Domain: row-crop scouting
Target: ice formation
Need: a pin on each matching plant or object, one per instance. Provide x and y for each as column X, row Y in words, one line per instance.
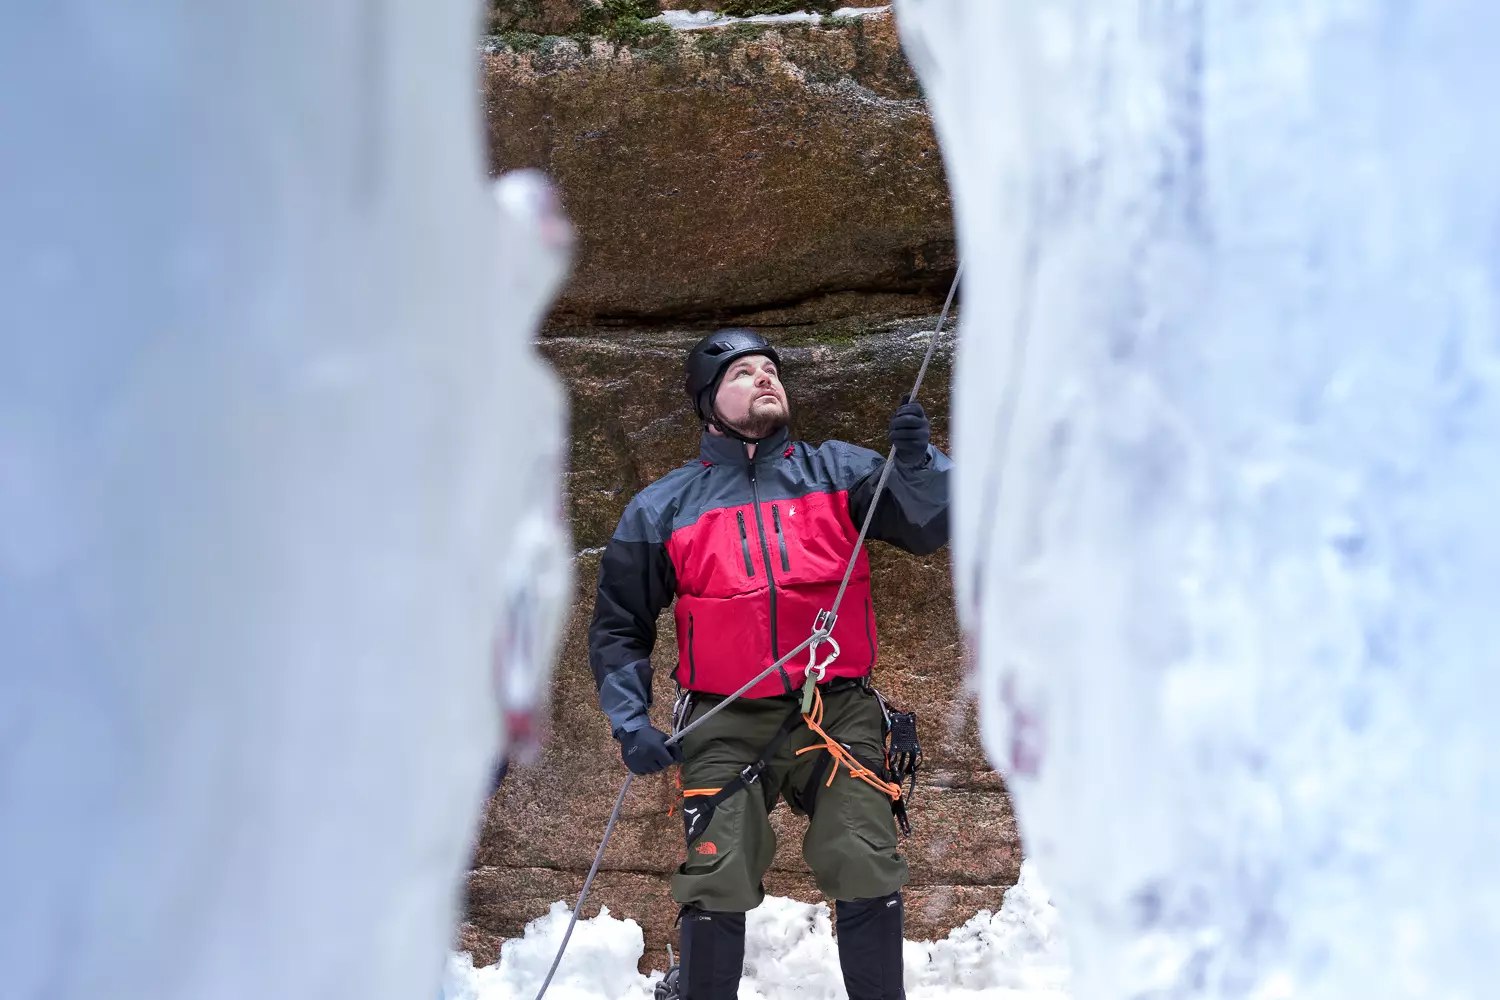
column 1226, row 423
column 271, row 432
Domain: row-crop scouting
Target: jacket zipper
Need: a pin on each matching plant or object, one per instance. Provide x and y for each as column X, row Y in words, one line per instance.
column 765, row 551
column 692, row 663
column 780, row 538
column 745, row 545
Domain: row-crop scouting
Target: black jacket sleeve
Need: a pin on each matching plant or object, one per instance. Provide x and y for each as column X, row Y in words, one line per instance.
column 913, row 509
column 636, row 581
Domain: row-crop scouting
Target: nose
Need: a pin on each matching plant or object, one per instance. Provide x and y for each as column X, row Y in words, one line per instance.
column 763, row 379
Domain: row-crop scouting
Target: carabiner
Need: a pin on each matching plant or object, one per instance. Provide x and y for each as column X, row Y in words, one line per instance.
column 815, row 669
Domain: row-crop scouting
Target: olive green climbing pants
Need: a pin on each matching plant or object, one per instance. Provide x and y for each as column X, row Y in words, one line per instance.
column 850, row 844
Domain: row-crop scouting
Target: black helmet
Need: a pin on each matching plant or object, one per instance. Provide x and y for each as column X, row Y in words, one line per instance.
column 708, row 358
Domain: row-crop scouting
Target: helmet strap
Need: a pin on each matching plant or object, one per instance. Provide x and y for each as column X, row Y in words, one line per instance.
column 721, row 425
column 728, row 431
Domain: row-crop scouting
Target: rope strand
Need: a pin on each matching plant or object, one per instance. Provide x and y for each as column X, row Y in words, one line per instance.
column 842, row 756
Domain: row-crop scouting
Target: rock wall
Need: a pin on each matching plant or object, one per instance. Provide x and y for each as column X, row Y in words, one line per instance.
column 762, row 174
column 786, row 176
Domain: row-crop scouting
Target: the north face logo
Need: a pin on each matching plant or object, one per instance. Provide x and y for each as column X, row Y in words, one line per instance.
column 706, row 848
column 790, row 511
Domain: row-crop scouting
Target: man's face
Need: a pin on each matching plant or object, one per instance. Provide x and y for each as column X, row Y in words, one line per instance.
column 750, row 397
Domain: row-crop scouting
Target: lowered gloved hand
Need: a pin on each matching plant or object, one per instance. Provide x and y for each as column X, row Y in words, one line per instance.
column 646, row 751
column 911, row 433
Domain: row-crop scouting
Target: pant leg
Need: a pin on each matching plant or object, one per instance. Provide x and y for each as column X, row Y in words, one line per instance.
column 851, row 843
column 870, row 938
column 713, row 955
column 725, row 864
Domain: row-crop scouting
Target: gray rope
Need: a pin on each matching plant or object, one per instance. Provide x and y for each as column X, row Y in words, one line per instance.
column 947, row 304
column 890, row 460
column 816, row 637
column 598, row 857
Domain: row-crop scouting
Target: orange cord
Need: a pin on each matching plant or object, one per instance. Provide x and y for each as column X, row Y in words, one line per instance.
column 688, row 793
column 814, row 722
column 840, row 756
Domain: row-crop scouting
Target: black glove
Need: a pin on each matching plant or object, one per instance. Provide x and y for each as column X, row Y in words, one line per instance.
column 645, row 751
column 911, row 433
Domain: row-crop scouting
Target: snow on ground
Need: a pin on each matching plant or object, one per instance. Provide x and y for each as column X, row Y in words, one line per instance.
column 1016, row 954
column 692, row 20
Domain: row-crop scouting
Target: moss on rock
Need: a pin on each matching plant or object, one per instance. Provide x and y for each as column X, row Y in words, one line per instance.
column 749, row 8
column 620, row 21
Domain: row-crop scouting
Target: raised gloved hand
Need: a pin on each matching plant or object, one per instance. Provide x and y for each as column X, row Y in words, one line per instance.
column 646, row 751
column 911, row 433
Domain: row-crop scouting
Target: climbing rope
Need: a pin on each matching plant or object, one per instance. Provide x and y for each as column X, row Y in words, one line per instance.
column 812, row 706
column 841, row 754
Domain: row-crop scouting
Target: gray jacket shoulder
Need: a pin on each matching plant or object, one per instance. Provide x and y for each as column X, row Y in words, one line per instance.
column 843, row 463
column 648, row 516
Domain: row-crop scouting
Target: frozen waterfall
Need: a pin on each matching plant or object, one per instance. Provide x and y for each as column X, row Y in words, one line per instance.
column 1227, row 424
column 278, row 469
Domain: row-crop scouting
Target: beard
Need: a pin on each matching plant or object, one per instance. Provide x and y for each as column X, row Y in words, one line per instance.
column 762, row 421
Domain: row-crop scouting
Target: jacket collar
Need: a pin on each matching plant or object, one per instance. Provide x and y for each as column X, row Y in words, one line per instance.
column 717, row 449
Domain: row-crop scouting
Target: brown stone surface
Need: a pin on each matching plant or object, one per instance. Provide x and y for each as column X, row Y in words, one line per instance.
column 562, row 17
column 631, row 425
column 774, row 175
column 543, row 17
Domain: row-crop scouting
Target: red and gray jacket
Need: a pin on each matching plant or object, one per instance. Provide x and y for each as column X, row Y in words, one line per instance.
column 752, row 551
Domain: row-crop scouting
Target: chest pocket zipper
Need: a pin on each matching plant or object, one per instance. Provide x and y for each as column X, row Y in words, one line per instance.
column 745, row 544
column 780, row 538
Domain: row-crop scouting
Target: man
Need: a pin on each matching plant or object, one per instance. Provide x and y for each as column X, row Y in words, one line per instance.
column 753, row 539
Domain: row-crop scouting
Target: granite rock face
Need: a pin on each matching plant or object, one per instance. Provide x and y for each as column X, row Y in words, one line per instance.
column 631, row 425
column 769, row 174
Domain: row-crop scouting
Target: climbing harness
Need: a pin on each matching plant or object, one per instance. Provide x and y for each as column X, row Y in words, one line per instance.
column 697, row 814
column 812, row 703
column 900, row 763
column 842, row 755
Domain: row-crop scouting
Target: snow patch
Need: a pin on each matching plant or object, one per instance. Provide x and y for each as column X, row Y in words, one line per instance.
column 600, row 963
column 694, row 20
column 1016, row 953
column 790, row 951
